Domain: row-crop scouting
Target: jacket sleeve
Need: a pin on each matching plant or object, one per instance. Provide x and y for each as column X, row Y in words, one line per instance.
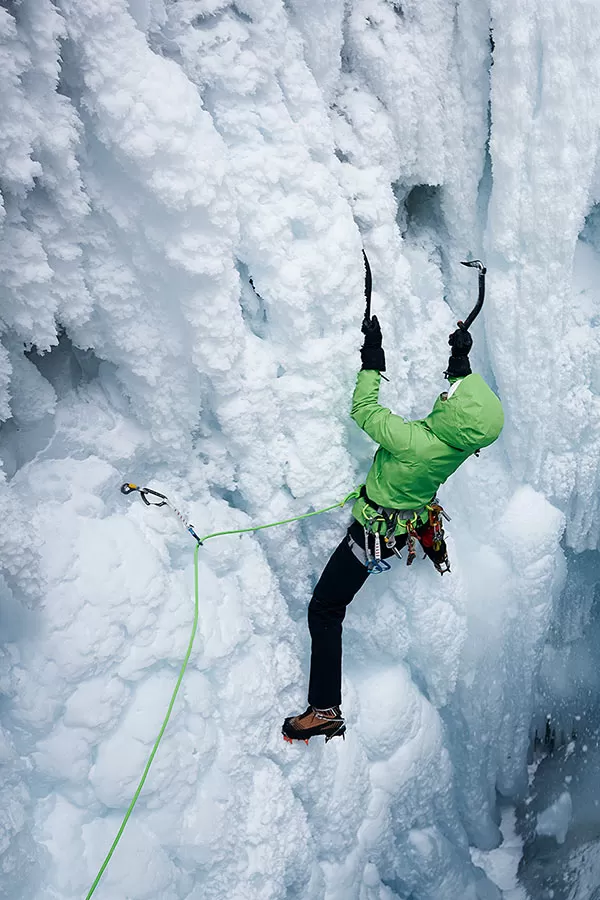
column 388, row 430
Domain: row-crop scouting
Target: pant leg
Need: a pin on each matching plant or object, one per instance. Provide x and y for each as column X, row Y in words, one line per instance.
column 342, row 578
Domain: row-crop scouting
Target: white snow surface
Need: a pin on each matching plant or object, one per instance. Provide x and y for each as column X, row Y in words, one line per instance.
column 156, row 155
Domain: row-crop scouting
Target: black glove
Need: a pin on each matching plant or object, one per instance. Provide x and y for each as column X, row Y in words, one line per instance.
column 461, row 342
column 371, row 353
column 458, row 364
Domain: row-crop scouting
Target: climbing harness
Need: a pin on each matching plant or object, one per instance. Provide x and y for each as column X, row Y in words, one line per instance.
column 154, row 498
column 390, row 518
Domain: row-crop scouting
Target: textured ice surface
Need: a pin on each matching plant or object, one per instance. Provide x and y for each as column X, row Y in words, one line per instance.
column 501, row 864
column 155, row 157
column 554, row 821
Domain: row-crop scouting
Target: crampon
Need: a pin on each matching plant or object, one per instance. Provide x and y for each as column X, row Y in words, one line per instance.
column 314, row 722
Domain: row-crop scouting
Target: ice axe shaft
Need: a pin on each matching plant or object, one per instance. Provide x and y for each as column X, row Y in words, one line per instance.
column 475, row 264
column 368, row 286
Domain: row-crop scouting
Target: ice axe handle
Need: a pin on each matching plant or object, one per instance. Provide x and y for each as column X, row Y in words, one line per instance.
column 475, row 264
column 368, row 286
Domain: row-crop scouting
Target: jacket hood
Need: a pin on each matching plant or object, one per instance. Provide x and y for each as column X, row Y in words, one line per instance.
column 470, row 419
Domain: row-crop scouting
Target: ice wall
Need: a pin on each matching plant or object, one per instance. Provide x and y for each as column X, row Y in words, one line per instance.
column 184, row 191
column 541, row 240
column 544, row 149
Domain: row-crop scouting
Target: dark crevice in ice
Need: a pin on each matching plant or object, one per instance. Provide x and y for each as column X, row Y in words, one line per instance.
column 254, row 312
column 65, row 366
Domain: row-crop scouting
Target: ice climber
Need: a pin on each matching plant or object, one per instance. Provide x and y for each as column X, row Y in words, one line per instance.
column 397, row 506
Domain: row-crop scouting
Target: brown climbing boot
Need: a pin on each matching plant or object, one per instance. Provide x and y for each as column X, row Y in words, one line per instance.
column 328, row 722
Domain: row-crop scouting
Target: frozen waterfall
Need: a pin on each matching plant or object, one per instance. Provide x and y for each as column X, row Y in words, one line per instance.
column 185, row 188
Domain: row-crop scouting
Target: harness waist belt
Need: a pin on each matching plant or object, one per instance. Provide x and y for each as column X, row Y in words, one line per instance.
column 401, row 514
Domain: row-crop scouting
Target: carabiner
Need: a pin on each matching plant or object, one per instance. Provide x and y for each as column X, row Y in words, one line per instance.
column 377, row 566
column 128, row 488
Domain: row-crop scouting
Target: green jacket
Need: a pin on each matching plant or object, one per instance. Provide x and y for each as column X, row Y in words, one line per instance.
column 415, row 458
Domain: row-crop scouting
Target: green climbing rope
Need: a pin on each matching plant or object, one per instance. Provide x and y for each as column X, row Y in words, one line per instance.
column 317, row 512
column 165, row 722
column 184, row 665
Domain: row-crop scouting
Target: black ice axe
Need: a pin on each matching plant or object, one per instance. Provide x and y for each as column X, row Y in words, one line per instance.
column 368, row 286
column 474, row 264
column 471, row 263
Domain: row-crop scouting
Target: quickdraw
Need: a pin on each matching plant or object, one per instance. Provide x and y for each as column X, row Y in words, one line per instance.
column 436, row 512
column 375, row 564
column 411, row 542
column 145, row 492
column 436, row 515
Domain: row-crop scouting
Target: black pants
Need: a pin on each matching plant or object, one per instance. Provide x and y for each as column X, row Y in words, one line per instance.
column 342, row 578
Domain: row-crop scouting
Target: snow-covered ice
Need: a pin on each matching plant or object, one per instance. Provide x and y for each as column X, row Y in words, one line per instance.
column 554, row 821
column 502, row 863
column 185, row 188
